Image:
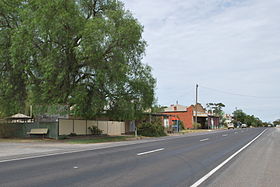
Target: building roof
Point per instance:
(20, 116)
(176, 108)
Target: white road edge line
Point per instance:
(205, 177)
(147, 152)
(224, 134)
(204, 139)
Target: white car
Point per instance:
(230, 126)
(243, 125)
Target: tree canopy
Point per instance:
(217, 109)
(276, 122)
(241, 117)
(83, 53)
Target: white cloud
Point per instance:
(231, 45)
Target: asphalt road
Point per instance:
(258, 166)
(170, 162)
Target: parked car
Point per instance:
(243, 125)
(230, 126)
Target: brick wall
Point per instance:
(185, 116)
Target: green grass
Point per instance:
(98, 139)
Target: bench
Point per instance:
(42, 131)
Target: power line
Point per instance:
(237, 94)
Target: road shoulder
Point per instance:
(258, 165)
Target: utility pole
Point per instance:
(196, 99)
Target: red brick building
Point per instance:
(187, 116)
(183, 113)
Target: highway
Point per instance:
(178, 161)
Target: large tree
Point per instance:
(84, 53)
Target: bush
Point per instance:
(151, 129)
(62, 137)
(197, 126)
(95, 130)
(72, 134)
(181, 125)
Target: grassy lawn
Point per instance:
(90, 140)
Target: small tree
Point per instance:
(217, 109)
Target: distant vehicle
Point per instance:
(243, 125)
(230, 126)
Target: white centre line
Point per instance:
(205, 177)
(224, 134)
(152, 151)
(204, 139)
(235, 132)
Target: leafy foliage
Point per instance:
(276, 122)
(157, 108)
(217, 109)
(82, 53)
(95, 130)
(197, 126)
(151, 129)
(181, 125)
(241, 117)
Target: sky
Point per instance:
(230, 48)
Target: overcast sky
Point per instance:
(231, 48)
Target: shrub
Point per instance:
(151, 129)
(181, 125)
(95, 130)
(62, 137)
(197, 126)
(72, 134)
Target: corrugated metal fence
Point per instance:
(80, 127)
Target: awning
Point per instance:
(174, 118)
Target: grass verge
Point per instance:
(98, 139)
